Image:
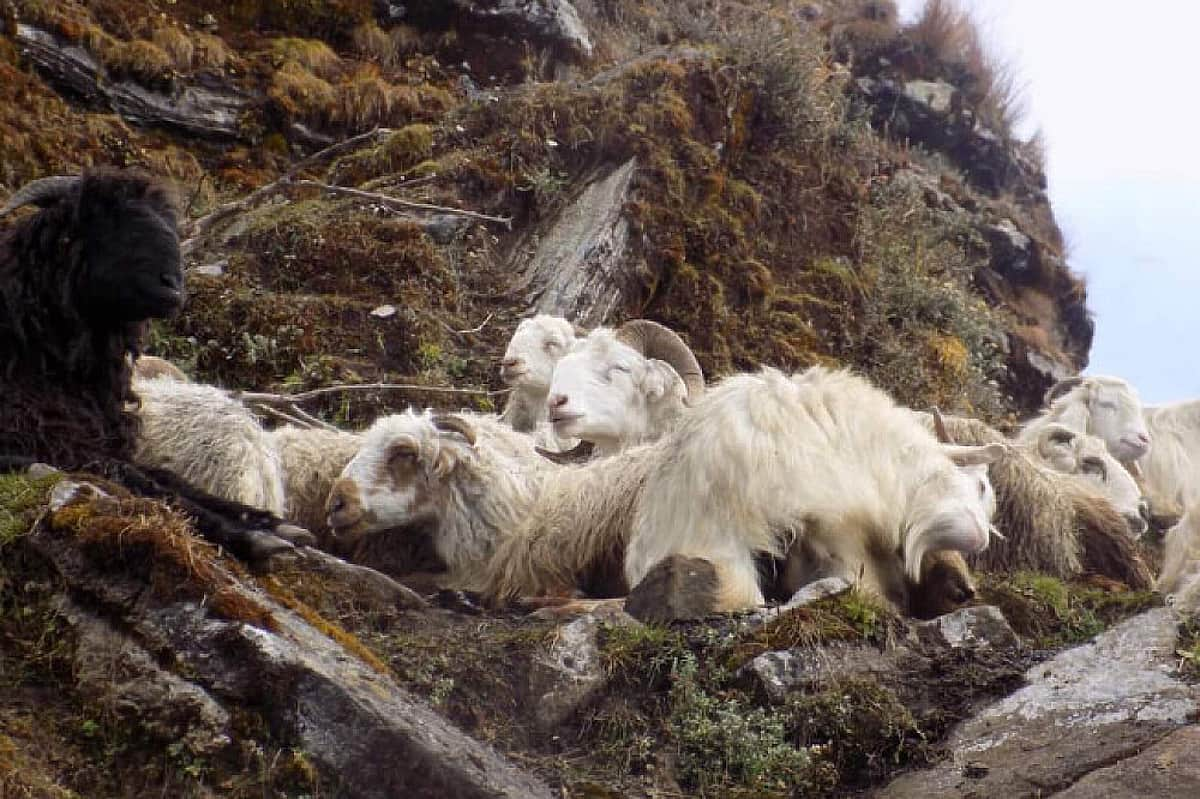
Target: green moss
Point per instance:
(1053, 613)
(20, 498)
(1188, 648)
(849, 616)
(641, 655)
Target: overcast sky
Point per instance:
(1113, 87)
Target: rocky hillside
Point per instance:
(785, 183)
(377, 192)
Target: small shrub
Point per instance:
(733, 749)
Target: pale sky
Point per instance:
(1113, 87)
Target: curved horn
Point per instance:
(577, 454)
(455, 424)
(658, 341)
(939, 427)
(1062, 387)
(40, 192)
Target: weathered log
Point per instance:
(580, 265)
(207, 111)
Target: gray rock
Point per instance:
(1011, 249)
(121, 678)
(214, 269)
(973, 627)
(818, 589)
(353, 722)
(774, 675)
(1169, 769)
(554, 23)
(39, 470)
(938, 96)
(568, 673)
(579, 265)
(1082, 711)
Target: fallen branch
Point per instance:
(292, 415)
(394, 201)
(477, 327)
(286, 400)
(198, 227)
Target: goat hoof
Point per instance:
(262, 546)
(461, 601)
(676, 588)
(295, 535)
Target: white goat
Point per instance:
(213, 441)
(310, 460)
(1161, 445)
(477, 478)
(1180, 576)
(617, 388)
(824, 454)
(527, 365)
(209, 439)
(739, 464)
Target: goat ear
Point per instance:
(1055, 439)
(659, 379)
(444, 461)
(971, 455)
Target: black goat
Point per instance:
(78, 279)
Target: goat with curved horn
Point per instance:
(658, 341)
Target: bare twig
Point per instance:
(291, 414)
(394, 201)
(478, 327)
(201, 225)
(285, 400)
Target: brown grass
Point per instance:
(374, 44)
(149, 538)
(366, 100)
(948, 34)
(327, 628)
(177, 45)
(315, 56)
(300, 94)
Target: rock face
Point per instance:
(579, 266)
(1081, 712)
(352, 720)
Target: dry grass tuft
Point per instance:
(366, 100)
(151, 539)
(315, 56)
(947, 34)
(177, 45)
(300, 94)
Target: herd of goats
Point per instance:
(614, 470)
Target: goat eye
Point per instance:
(400, 454)
(1094, 466)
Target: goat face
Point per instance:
(396, 477)
(1110, 409)
(534, 349)
(131, 265)
(604, 390)
(953, 508)
(1067, 451)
